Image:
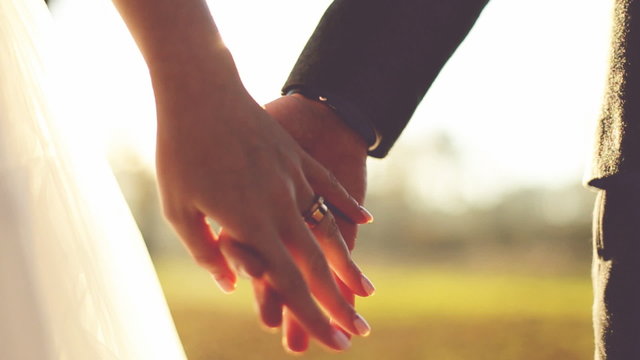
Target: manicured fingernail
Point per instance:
(225, 284)
(361, 325)
(366, 214)
(340, 340)
(367, 285)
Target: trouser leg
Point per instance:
(616, 274)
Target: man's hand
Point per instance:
(324, 136)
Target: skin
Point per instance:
(321, 133)
(222, 156)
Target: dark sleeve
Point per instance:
(381, 56)
(617, 151)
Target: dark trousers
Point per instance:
(616, 273)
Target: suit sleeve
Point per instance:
(617, 149)
(379, 57)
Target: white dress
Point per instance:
(76, 281)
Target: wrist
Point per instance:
(213, 68)
(350, 115)
(181, 90)
(317, 126)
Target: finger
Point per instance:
(240, 256)
(313, 265)
(346, 292)
(270, 305)
(326, 184)
(326, 231)
(201, 243)
(348, 296)
(337, 253)
(285, 278)
(348, 230)
(294, 336)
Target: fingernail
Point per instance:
(367, 285)
(340, 340)
(225, 284)
(366, 214)
(361, 325)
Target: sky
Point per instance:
(517, 103)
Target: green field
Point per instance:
(417, 313)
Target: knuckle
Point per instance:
(334, 183)
(293, 168)
(281, 193)
(328, 231)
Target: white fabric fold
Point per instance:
(76, 281)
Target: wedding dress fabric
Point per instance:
(76, 281)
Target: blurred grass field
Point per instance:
(507, 279)
(417, 313)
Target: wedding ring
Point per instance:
(316, 212)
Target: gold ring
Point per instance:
(316, 212)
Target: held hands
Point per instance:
(324, 136)
(220, 155)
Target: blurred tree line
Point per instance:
(528, 227)
(536, 227)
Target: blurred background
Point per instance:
(480, 248)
